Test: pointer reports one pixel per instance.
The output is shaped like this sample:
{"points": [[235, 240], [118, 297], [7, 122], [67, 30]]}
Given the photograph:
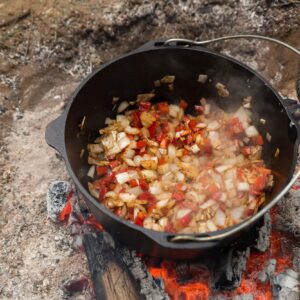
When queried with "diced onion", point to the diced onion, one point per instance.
{"points": [[206, 110], [183, 212], [122, 177], [202, 78], [127, 196], [173, 110], [195, 148], [268, 137], [91, 172], [243, 186], [124, 142], [237, 213], [223, 168], [155, 188], [162, 203], [132, 130], [214, 125], [251, 131], [211, 225], [123, 105], [207, 204], [171, 151], [220, 218]]}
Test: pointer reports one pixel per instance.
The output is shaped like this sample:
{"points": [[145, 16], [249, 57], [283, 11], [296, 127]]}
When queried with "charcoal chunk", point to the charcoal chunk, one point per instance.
{"points": [[57, 197]]}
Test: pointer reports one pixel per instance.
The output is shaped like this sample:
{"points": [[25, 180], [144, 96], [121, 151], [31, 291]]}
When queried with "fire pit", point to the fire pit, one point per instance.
{"points": [[262, 269]]}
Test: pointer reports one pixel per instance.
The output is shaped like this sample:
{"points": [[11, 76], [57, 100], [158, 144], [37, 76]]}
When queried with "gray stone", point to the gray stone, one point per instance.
{"points": [[57, 197]]}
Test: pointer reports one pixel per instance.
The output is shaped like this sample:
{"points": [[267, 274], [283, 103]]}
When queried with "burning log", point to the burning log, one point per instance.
{"points": [[117, 272]]}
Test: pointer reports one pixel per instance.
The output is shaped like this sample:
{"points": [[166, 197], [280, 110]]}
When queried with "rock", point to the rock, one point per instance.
{"points": [[57, 197]]}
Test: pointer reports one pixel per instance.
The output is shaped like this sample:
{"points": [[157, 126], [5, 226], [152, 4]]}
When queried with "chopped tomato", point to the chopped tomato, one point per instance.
{"points": [[144, 106], [165, 127], [183, 104], [146, 196], [262, 170], [170, 227], [159, 137], [164, 143], [178, 187], [102, 191], [136, 120], [246, 151], [144, 185], [192, 124], [161, 160], [133, 183], [178, 196], [240, 174], [235, 127], [101, 171], [180, 127], [139, 221], [258, 140], [141, 144], [163, 107], [259, 184], [185, 221], [213, 189], [199, 109], [189, 139], [152, 129], [206, 147]]}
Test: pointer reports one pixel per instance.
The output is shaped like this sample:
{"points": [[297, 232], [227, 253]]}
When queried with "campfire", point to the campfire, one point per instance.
{"points": [[263, 269]]}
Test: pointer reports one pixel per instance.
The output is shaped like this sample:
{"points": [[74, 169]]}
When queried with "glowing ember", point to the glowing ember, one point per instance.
{"points": [[67, 210]]}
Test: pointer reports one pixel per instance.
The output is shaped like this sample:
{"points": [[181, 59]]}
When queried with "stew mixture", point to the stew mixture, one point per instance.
{"points": [[166, 170]]}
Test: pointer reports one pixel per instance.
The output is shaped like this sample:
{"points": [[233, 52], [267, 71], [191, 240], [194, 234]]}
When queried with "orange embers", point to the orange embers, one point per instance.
{"points": [[190, 291], [249, 284], [66, 211]]}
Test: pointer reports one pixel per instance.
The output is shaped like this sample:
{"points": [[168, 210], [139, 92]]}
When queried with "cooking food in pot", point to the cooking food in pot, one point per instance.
{"points": [[167, 170]]}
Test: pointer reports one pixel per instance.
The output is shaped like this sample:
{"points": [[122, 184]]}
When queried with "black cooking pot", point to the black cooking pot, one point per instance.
{"points": [[134, 73]]}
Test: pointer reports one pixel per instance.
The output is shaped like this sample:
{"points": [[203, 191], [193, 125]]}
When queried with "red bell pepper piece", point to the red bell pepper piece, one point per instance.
{"points": [[246, 151], [183, 104], [165, 127], [199, 109], [163, 107], [152, 129], [164, 143], [144, 185], [133, 183], [259, 184], [144, 106], [178, 196], [192, 124], [101, 171], [258, 140], [141, 144], [185, 221], [136, 120]]}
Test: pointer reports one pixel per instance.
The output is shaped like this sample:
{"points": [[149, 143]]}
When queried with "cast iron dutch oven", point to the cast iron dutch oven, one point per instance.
{"points": [[134, 73]]}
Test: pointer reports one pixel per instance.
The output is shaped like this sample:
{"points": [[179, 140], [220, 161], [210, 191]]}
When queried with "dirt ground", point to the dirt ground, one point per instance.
{"points": [[46, 48]]}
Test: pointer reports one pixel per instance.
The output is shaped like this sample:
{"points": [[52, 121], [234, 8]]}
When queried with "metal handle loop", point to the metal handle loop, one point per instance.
{"points": [[186, 42]]}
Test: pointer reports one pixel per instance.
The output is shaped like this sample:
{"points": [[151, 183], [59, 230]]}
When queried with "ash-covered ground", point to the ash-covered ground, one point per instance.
{"points": [[46, 48]]}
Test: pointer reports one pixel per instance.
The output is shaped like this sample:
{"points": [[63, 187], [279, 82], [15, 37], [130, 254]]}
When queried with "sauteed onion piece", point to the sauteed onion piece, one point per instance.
{"points": [[166, 170]]}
